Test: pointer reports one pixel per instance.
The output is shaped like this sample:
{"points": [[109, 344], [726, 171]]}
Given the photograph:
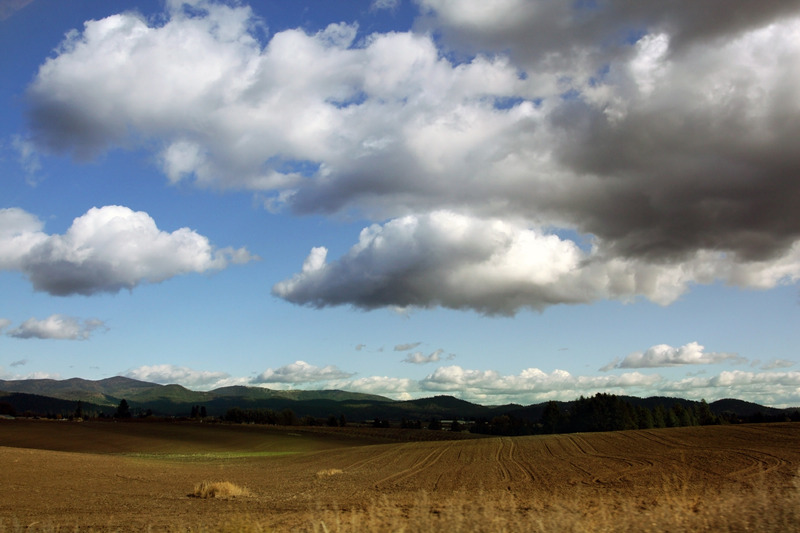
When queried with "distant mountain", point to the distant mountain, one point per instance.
{"points": [[103, 392], [20, 403], [174, 400], [261, 393], [44, 396], [743, 408]]}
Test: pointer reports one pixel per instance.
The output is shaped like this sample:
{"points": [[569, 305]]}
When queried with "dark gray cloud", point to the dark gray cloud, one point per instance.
{"points": [[567, 36], [407, 346], [664, 183]]}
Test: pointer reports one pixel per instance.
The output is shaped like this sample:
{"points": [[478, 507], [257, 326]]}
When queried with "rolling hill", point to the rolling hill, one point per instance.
{"points": [[48, 396]]}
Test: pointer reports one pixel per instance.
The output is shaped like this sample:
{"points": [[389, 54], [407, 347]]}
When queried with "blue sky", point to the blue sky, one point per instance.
{"points": [[507, 202]]}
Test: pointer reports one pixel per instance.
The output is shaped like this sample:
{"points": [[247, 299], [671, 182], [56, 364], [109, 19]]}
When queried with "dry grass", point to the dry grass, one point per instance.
{"points": [[329, 472], [218, 489], [681, 510]]}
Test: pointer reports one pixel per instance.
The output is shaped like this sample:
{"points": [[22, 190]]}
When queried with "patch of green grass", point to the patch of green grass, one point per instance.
{"points": [[204, 456]]}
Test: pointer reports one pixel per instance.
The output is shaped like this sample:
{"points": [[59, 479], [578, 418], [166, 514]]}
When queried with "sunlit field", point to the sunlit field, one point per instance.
{"points": [[105, 476]]}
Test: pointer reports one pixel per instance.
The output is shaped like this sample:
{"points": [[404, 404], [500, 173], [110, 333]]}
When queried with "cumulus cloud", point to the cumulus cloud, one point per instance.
{"points": [[105, 250], [418, 358], [662, 133], [498, 267], [57, 327], [663, 355], [301, 372], [768, 388], [397, 388], [531, 383], [168, 374]]}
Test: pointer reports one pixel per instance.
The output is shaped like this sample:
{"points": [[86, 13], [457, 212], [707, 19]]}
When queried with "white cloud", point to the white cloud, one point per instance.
{"points": [[301, 372], [4, 323], [31, 375], [169, 374], [20, 232], [663, 355], [499, 267], [418, 358], [57, 327], [779, 389], [531, 385], [393, 387], [670, 153], [105, 250]]}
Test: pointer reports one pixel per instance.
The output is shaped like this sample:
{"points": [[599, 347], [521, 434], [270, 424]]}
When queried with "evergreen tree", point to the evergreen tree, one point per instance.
{"points": [[123, 410], [659, 416], [644, 417], [703, 414], [287, 418], [552, 418]]}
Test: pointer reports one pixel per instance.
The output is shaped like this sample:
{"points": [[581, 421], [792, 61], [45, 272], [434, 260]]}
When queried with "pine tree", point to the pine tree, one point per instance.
{"points": [[123, 410]]}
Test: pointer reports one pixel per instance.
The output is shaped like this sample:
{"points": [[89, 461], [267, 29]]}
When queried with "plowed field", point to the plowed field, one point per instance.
{"points": [[132, 476]]}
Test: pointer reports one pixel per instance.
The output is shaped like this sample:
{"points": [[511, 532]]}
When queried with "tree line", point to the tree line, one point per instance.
{"points": [[607, 412]]}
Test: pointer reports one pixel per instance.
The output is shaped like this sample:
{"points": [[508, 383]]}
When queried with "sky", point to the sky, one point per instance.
{"points": [[509, 201]]}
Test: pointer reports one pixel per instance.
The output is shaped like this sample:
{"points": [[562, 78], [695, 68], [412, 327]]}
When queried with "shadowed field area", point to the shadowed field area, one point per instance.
{"points": [[128, 476]]}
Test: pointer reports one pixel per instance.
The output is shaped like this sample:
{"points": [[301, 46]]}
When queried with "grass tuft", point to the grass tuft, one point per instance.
{"points": [[218, 489]]}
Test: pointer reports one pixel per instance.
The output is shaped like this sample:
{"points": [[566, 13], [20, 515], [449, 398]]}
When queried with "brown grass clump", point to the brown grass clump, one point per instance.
{"points": [[218, 489]]}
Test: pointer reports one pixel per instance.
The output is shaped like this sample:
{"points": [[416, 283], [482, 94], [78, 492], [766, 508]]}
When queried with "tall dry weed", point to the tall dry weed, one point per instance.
{"points": [[678, 509]]}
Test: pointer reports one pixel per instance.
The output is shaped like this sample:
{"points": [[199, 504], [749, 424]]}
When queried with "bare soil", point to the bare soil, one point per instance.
{"points": [[133, 476]]}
